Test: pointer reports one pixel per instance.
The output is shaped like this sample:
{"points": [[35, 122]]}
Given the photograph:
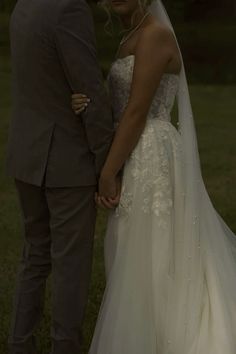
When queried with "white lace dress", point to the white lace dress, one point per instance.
{"points": [[139, 240]]}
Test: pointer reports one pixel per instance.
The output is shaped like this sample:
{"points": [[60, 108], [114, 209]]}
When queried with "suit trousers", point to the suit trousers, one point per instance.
{"points": [[59, 225]]}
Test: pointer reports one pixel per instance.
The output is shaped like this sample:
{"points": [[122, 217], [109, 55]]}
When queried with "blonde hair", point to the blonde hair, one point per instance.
{"points": [[105, 5]]}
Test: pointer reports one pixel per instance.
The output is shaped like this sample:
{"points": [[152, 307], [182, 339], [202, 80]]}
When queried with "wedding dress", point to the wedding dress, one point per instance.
{"points": [[169, 257]]}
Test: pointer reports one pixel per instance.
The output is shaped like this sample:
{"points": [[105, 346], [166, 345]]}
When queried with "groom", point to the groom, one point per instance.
{"points": [[55, 158]]}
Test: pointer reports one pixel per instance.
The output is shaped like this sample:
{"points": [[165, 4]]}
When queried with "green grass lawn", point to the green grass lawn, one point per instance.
{"points": [[215, 110]]}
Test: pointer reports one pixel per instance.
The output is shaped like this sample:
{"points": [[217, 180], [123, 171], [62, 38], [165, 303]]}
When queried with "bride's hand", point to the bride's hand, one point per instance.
{"points": [[109, 186], [79, 102]]}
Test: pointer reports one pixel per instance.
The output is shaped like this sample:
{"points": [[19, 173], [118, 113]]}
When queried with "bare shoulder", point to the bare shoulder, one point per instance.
{"points": [[156, 34]]}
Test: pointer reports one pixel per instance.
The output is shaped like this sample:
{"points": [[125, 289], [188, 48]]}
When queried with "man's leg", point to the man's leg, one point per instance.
{"points": [[34, 269], [72, 224]]}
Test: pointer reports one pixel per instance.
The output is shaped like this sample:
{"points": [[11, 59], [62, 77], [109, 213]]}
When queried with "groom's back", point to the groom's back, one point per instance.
{"points": [[53, 55], [38, 79]]}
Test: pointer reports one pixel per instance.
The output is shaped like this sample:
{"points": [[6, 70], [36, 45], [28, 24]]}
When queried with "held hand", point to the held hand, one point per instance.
{"points": [[107, 183], [79, 102], [115, 201], [103, 203], [107, 186]]}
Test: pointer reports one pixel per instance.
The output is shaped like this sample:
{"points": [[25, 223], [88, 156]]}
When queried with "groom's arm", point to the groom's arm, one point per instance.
{"points": [[76, 45]]}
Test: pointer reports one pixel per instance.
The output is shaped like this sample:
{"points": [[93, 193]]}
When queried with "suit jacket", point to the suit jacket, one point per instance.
{"points": [[53, 53]]}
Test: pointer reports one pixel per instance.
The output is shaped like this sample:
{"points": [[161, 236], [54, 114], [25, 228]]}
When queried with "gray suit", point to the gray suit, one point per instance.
{"points": [[53, 55], [55, 158]]}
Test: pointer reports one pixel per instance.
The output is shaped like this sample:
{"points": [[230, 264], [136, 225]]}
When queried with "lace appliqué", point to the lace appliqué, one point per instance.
{"points": [[125, 205], [147, 181], [150, 173], [119, 83]]}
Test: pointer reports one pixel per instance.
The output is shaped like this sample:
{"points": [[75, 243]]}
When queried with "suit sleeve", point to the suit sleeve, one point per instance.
{"points": [[76, 46]]}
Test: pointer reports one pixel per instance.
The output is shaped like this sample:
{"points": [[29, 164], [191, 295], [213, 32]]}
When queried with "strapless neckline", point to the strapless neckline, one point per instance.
{"points": [[119, 83], [132, 56]]}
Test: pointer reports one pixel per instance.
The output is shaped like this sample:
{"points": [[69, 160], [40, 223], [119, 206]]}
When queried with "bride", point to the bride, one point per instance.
{"points": [[170, 258]]}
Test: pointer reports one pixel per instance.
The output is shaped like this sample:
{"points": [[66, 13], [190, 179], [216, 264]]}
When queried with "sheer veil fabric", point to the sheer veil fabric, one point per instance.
{"points": [[201, 315]]}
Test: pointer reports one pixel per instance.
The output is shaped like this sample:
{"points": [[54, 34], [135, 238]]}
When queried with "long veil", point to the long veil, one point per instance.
{"points": [[203, 268]]}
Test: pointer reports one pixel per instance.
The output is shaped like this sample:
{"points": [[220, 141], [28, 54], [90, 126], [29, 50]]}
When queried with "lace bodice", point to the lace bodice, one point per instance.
{"points": [[148, 166], [119, 82]]}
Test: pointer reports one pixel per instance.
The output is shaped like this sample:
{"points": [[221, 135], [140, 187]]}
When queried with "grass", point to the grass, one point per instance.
{"points": [[214, 108]]}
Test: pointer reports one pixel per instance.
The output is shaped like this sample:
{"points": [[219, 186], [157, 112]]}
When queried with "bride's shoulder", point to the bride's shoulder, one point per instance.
{"points": [[155, 30], [156, 33]]}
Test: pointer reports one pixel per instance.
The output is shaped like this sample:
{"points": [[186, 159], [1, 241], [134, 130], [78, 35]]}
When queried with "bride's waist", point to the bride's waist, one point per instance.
{"points": [[163, 116], [151, 117], [161, 123]]}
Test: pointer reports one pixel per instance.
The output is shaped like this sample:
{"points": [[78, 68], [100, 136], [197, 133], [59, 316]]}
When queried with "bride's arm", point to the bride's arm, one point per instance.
{"points": [[153, 53]]}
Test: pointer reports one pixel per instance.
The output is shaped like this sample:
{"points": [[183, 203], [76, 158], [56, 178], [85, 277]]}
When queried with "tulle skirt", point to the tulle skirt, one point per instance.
{"points": [[160, 296]]}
